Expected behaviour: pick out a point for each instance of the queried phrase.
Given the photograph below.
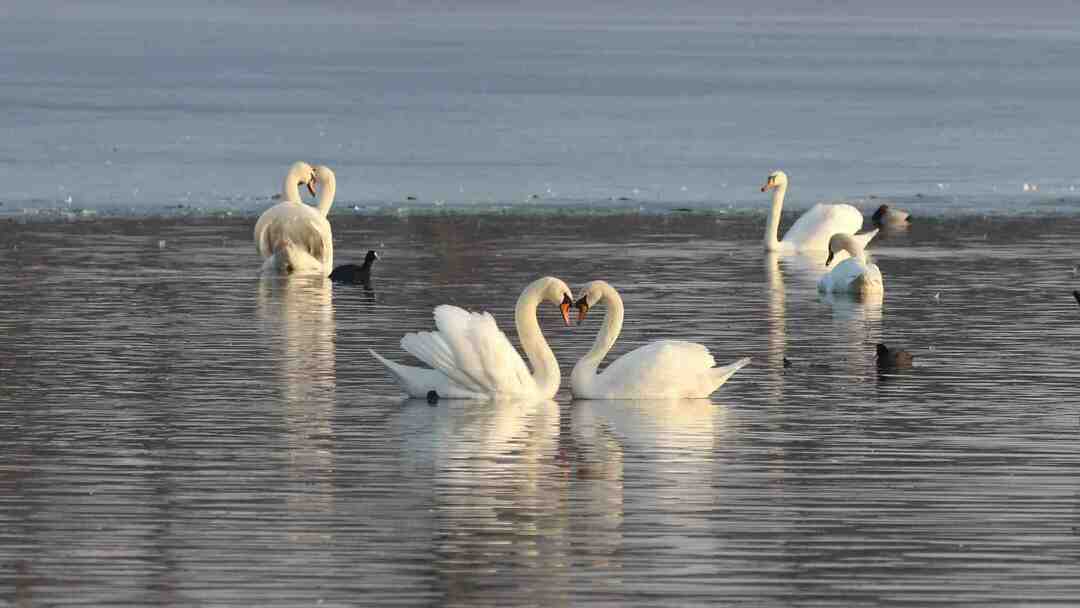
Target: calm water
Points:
(127, 105)
(175, 431)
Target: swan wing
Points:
(471, 350)
(811, 232)
(418, 381)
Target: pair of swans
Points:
(829, 227)
(471, 358)
(293, 237)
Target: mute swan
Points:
(887, 217)
(854, 275)
(811, 232)
(894, 358)
(665, 369)
(293, 222)
(473, 359)
(352, 273)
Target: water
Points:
(129, 107)
(175, 431)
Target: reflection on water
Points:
(297, 323)
(173, 432)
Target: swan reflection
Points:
(857, 322)
(298, 321)
(498, 483)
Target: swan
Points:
(473, 359)
(665, 369)
(887, 217)
(854, 275)
(293, 222)
(812, 230)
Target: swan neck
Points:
(290, 189)
(545, 368)
(326, 195)
(585, 370)
(772, 226)
(854, 248)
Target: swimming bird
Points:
(293, 223)
(472, 359)
(893, 358)
(354, 273)
(1076, 294)
(813, 229)
(854, 275)
(664, 369)
(887, 217)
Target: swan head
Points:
(302, 174)
(776, 179)
(550, 289)
(591, 295)
(323, 174)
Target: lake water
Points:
(174, 430)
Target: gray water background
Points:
(175, 431)
(134, 106)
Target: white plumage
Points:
(813, 229)
(855, 275)
(471, 358)
(293, 223)
(665, 369)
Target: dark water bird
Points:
(432, 397)
(1076, 294)
(353, 273)
(887, 217)
(894, 358)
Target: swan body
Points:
(292, 221)
(289, 259)
(854, 275)
(813, 229)
(471, 358)
(665, 369)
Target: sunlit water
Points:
(175, 431)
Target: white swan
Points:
(291, 223)
(473, 359)
(665, 369)
(854, 275)
(811, 232)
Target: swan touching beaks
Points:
(472, 359)
(665, 369)
(813, 229)
(854, 275)
(293, 223)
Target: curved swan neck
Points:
(326, 193)
(605, 339)
(772, 226)
(545, 367)
(851, 246)
(290, 189)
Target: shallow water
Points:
(175, 431)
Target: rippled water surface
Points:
(175, 431)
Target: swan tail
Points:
(417, 382)
(720, 375)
